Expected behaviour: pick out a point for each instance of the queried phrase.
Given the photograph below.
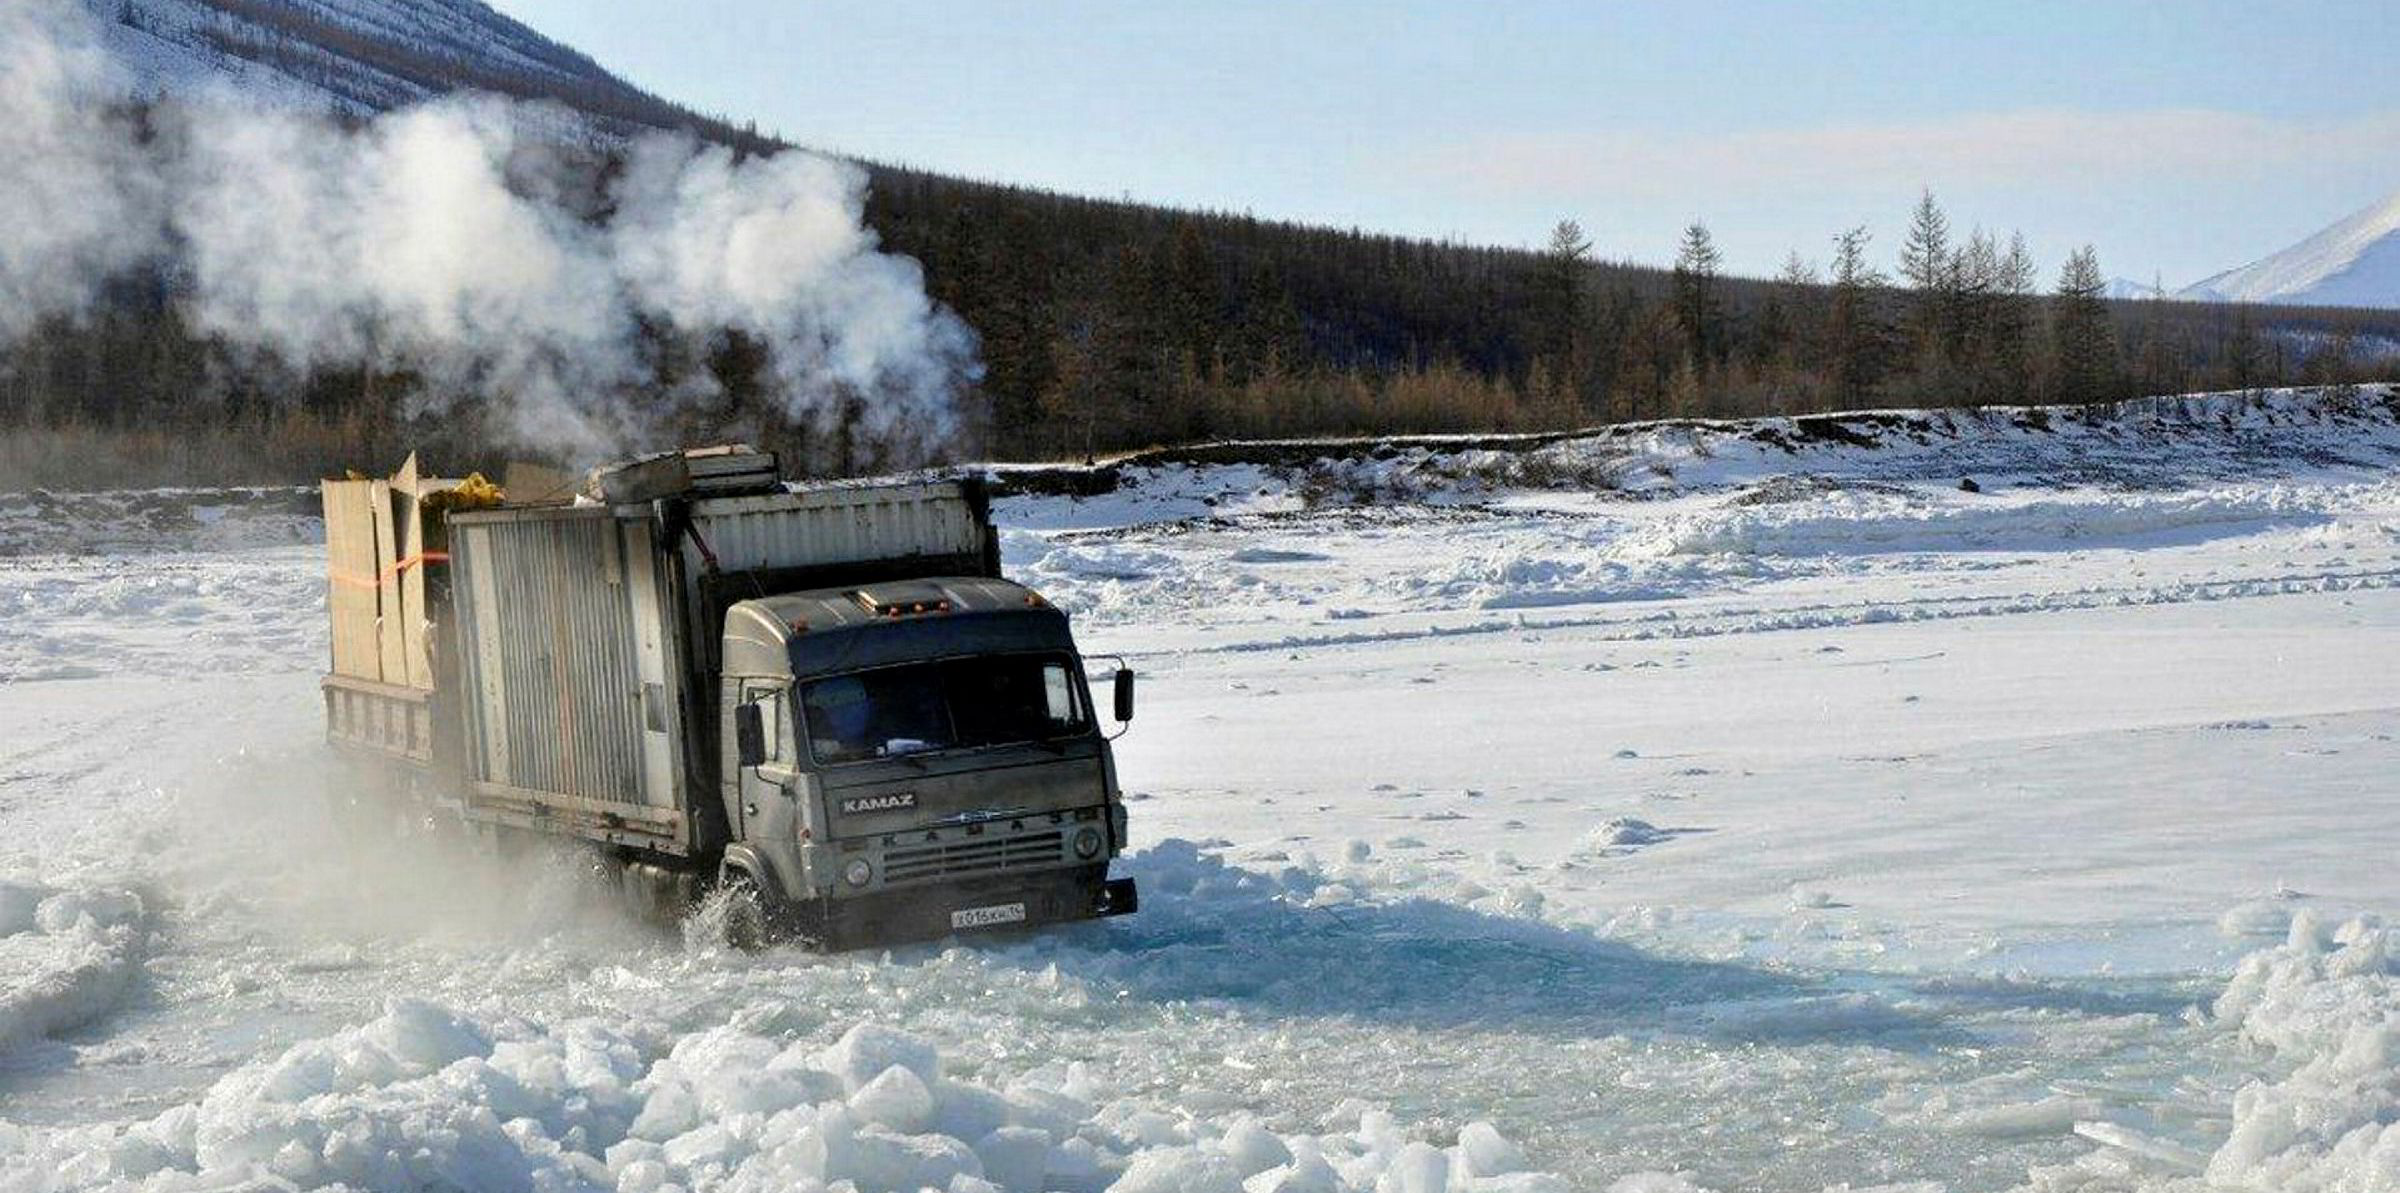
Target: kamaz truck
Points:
(824, 705)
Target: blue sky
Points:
(2180, 138)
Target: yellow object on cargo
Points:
(473, 493)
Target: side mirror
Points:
(1124, 694)
(749, 734)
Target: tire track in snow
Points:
(1669, 624)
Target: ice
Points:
(2329, 1006)
(897, 1100)
(2258, 917)
(1014, 1157)
(868, 1049)
(1628, 830)
(425, 1097)
(1252, 1149)
(1977, 871)
(1483, 1151)
(1306, 1174)
(66, 956)
(2057, 1114)
(1179, 1170)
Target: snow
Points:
(2353, 262)
(183, 47)
(2127, 288)
(68, 953)
(1690, 807)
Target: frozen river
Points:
(1759, 833)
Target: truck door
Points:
(765, 808)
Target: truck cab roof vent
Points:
(729, 470)
(903, 598)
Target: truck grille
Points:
(972, 856)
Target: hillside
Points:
(1100, 325)
(362, 57)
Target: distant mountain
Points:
(360, 57)
(2130, 289)
(2356, 262)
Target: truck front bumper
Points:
(967, 907)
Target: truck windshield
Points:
(952, 704)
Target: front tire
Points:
(747, 926)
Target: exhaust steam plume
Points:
(463, 240)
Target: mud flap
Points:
(1119, 896)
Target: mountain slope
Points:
(2356, 262)
(360, 57)
(1105, 324)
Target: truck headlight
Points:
(859, 871)
(1087, 843)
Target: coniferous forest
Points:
(1110, 325)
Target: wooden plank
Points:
(358, 578)
(416, 638)
(359, 569)
(391, 661)
(372, 715)
(416, 631)
(373, 687)
(529, 484)
(350, 579)
(404, 479)
(329, 497)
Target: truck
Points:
(822, 709)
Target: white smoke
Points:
(448, 240)
(74, 200)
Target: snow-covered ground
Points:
(1740, 807)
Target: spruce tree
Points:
(2012, 320)
(2084, 342)
(1927, 267)
(1559, 306)
(1698, 310)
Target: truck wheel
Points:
(747, 926)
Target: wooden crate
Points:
(375, 564)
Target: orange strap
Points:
(376, 581)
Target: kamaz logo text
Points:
(891, 802)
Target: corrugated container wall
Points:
(567, 671)
(832, 526)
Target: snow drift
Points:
(65, 956)
(431, 1097)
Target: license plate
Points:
(985, 917)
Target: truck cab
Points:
(916, 757)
